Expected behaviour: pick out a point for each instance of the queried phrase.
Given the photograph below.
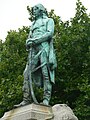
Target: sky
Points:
(14, 14)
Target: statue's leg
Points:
(26, 90)
(46, 80)
(26, 87)
(47, 86)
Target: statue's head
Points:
(38, 10)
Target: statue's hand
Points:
(29, 43)
(30, 40)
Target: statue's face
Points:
(36, 11)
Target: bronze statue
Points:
(41, 63)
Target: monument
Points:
(40, 71)
(41, 62)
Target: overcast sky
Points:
(14, 14)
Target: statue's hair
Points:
(41, 8)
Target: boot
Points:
(23, 103)
(45, 102)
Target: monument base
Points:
(29, 112)
(63, 112)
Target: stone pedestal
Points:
(29, 112)
(63, 112)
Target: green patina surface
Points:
(41, 62)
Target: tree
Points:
(13, 60)
(72, 42)
(72, 47)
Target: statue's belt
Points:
(38, 67)
(36, 56)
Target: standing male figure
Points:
(43, 60)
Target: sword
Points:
(30, 76)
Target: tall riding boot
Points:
(26, 90)
(47, 92)
(47, 86)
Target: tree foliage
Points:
(13, 60)
(72, 42)
(72, 46)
